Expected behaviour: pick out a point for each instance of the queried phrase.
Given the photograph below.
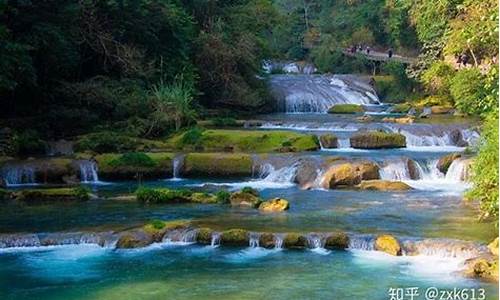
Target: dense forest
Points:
(147, 68)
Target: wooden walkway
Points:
(380, 56)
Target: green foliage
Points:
(157, 224)
(485, 168)
(402, 108)
(223, 196)
(224, 122)
(192, 137)
(103, 142)
(135, 159)
(467, 88)
(149, 195)
(437, 77)
(346, 109)
(250, 190)
(28, 143)
(82, 193)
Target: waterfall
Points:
(278, 241)
(18, 175)
(253, 241)
(361, 242)
(426, 135)
(180, 237)
(317, 93)
(215, 239)
(53, 239)
(177, 165)
(444, 248)
(395, 170)
(88, 171)
(459, 170)
(406, 169)
(283, 175)
(316, 243)
(344, 143)
(19, 240)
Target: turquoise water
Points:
(197, 272)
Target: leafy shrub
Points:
(250, 190)
(28, 143)
(437, 77)
(287, 144)
(223, 196)
(105, 142)
(149, 195)
(82, 193)
(157, 224)
(485, 168)
(224, 122)
(467, 88)
(136, 159)
(192, 136)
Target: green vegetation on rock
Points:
(346, 109)
(377, 140)
(52, 194)
(134, 164)
(217, 164)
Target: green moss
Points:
(377, 140)
(294, 240)
(337, 241)
(203, 198)
(401, 108)
(52, 194)
(234, 237)
(107, 141)
(135, 159)
(113, 166)
(204, 235)
(346, 109)
(245, 141)
(250, 190)
(217, 164)
(224, 122)
(223, 196)
(162, 195)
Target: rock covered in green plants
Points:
(274, 205)
(485, 268)
(328, 141)
(294, 240)
(401, 108)
(134, 239)
(217, 165)
(377, 140)
(266, 240)
(445, 161)
(52, 194)
(338, 240)
(384, 185)
(388, 244)
(204, 235)
(134, 165)
(245, 199)
(346, 109)
(234, 237)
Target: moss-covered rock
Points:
(346, 109)
(328, 141)
(384, 185)
(388, 244)
(51, 194)
(234, 237)
(222, 140)
(217, 165)
(204, 235)
(244, 199)
(401, 108)
(485, 268)
(440, 109)
(134, 239)
(134, 165)
(294, 240)
(162, 195)
(377, 140)
(445, 161)
(204, 198)
(266, 240)
(338, 241)
(349, 174)
(274, 205)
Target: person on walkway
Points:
(368, 50)
(389, 53)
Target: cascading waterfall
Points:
(180, 237)
(316, 243)
(443, 248)
(215, 240)
(88, 171)
(253, 240)
(287, 174)
(278, 241)
(177, 165)
(405, 169)
(60, 238)
(395, 170)
(361, 242)
(459, 170)
(18, 175)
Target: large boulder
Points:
(484, 267)
(134, 239)
(384, 185)
(388, 244)
(349, 174)
(204, 235)
(274, 205)
(245, 199)
(266, 240)
(445, 161)
(377, 140)
(328, 141)
(413, 169)
(306, 174)
(234, 237)
(338, 241)
(294, 240)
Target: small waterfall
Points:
(405, 169)
(253, 241)
(19, 240)
(283, 175)
(395, 170)
(18, 175)
(54, 239)
(215, 239)
(88, 171)
(180, 237)
(278, 241)
(459, 170)
(316, 243)
(361, 242)
(344, 143)
(443, 248)
(177, 164)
